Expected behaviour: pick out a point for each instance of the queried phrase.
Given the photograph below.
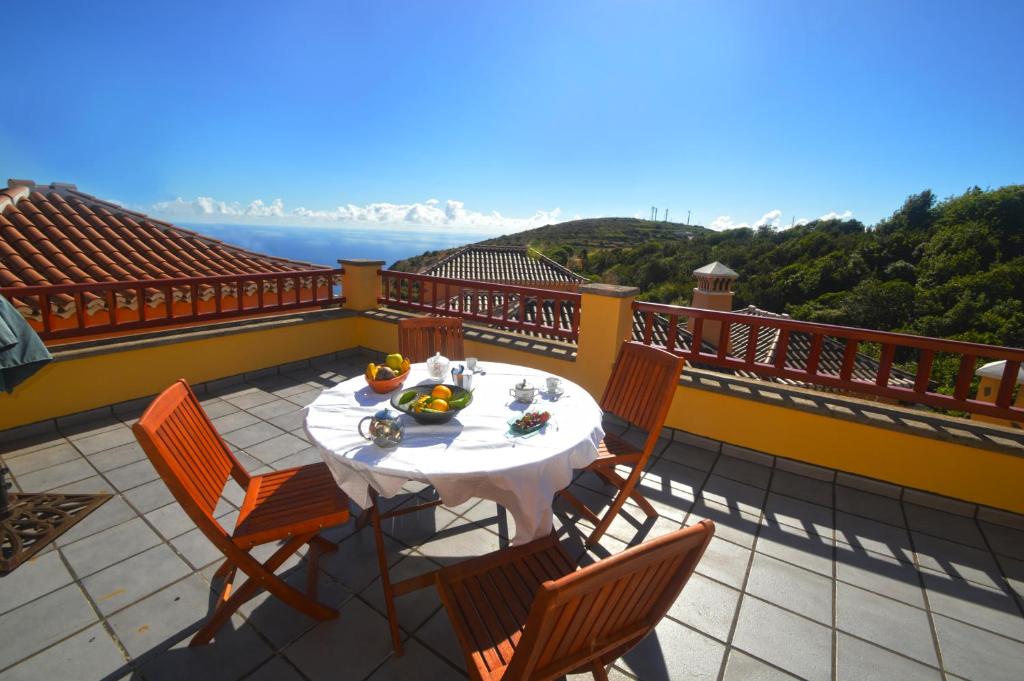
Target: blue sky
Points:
(443, 114)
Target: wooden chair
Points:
(293, 504)
(640, 391)
(524, 613)
(423, 337)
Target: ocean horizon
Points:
(326, 245)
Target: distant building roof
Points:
(503, 264)
(54, 234)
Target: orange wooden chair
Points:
(524, 613)
(293, 504)
(423, 337)
(640, 391)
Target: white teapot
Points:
(437, 367)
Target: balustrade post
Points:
(360, 284)
(606, 320)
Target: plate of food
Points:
(529, 423)
(433, 402)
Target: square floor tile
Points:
(61, 452)
(1005, 541)
(418, 662)
(110, 546)
(124, 583)
(802, 591)
(164, 618)
(993, 609)
(725, 562)
(52, 477)
(42, 622)
(34, 578)
(89, 654)
(114, 511)
(236, 651)
(707, 606)
(882, 574)
(977, 654)
(798, 547)
(950, 526)
(109, 459)
(132, 475)
(861, 661)
(114, 437)
(249, 436)
(673, 652)
(743, 471)
(888, 623)
(875, 537)
(801, 487)
(796, 644)
(868, 505)
(743, 667)
(782, 510)
(336, 644)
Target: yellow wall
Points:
(972, 474)
(70, 386)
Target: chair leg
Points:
(264, 577)
(620, 499)
(385, 575)
(614, 478)
(597, 669)
(580, 507)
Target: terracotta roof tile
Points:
(58, 235)
(504, 265)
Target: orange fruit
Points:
(439, 404)
(442, 392)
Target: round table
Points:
(473, 455)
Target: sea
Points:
(327, 245)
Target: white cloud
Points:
(429, 213)
(723, 222)
(845, 215)
(771, 219)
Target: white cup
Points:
(471, 363)
(554, 384)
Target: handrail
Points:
(272, 283)
(519, 308)
(921, 389)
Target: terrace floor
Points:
(807, 577)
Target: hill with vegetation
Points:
(951, 269)
(567, 239)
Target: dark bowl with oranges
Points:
(432, 403)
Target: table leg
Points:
(385, 575)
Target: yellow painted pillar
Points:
(606, 320)
(360, 284)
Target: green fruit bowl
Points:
(430, 416)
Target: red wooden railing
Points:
(919, 389)
(519, 308)
(268, 296)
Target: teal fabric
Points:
(22, 353)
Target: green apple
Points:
(394, 360)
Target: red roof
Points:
(58, 235)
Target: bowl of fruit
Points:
(384, 378)
(432, 403)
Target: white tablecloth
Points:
(471, 455)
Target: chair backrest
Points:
(189, 455)
(642, 385)
(601, 611)
(423, 337)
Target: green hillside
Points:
(564, 240)
(951, 268)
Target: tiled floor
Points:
(806, 578)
